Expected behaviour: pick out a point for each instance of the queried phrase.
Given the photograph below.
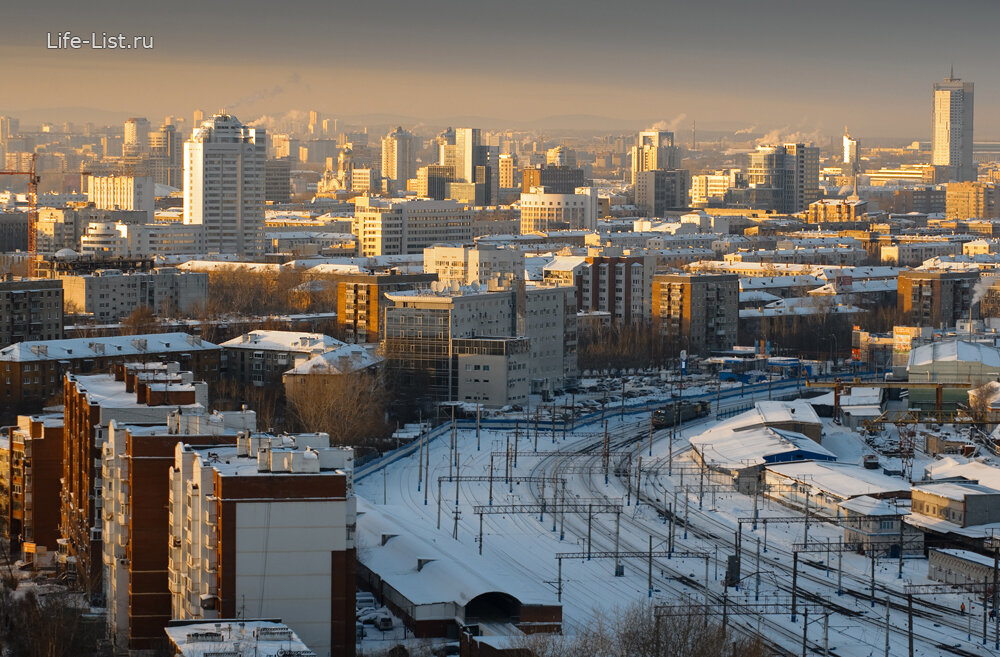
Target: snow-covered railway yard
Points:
(524, 545)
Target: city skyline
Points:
(728, 68)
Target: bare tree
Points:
(141, 320)
(632, 632)
(350, 407)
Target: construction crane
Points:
(33, 180)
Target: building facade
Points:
(952, 127)
(542, 211)
(700, 312)
(224, 171)
(267, 529)
(30, 309)
(110, 295)
(399, 227)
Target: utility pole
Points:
(439, 502)
(909, 623)
(537, 411)
(623, 398)
(805, 630)
(491, 479)
(638, 481)
(451, 448)
(590, 517)
(420, 457)
(606, 454)
(887, 625)
(553, 423)
(795, 580)
(826, 634)
(479, 408)
(649, 566)
(457, 479)
(650, 434)
(516, 433)
(618, 519)
(480, 534)
(805, 537)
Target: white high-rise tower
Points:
(951, 135)
(224, 165)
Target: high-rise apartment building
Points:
(266, 529)
(699, 312)
(135, 496)
(399, 156)
(785, 177)
(224, 172)
(972, 200)
(508, 169)
(467, 143)
(91, 403)
(31, 464)
(936, 298)
(136, 137)
(951, 130)
(278, 180)
(9, 127)
(654, 149)
(166, 156)
(659, 190)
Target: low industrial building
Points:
(953, 566)
(743, 445)
(437, 587)
(872, 524)
(954, 361)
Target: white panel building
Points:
(224, 164)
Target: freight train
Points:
(679, 412)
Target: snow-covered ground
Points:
(527, 545)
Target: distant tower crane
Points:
(33, 180)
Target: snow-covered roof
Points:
(758, 295)
(735, 450)
(565, 263)
(777, 282)
(955, 350)
(860, 396)
(866, 505)
(342, 360)
(967, 555)
(252, 638)
(125, 345)
(955, 491)
(842, 480)
(452, 572)
(952, 467)
(284, 341)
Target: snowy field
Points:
(842, 615)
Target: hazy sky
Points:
(796, 65)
